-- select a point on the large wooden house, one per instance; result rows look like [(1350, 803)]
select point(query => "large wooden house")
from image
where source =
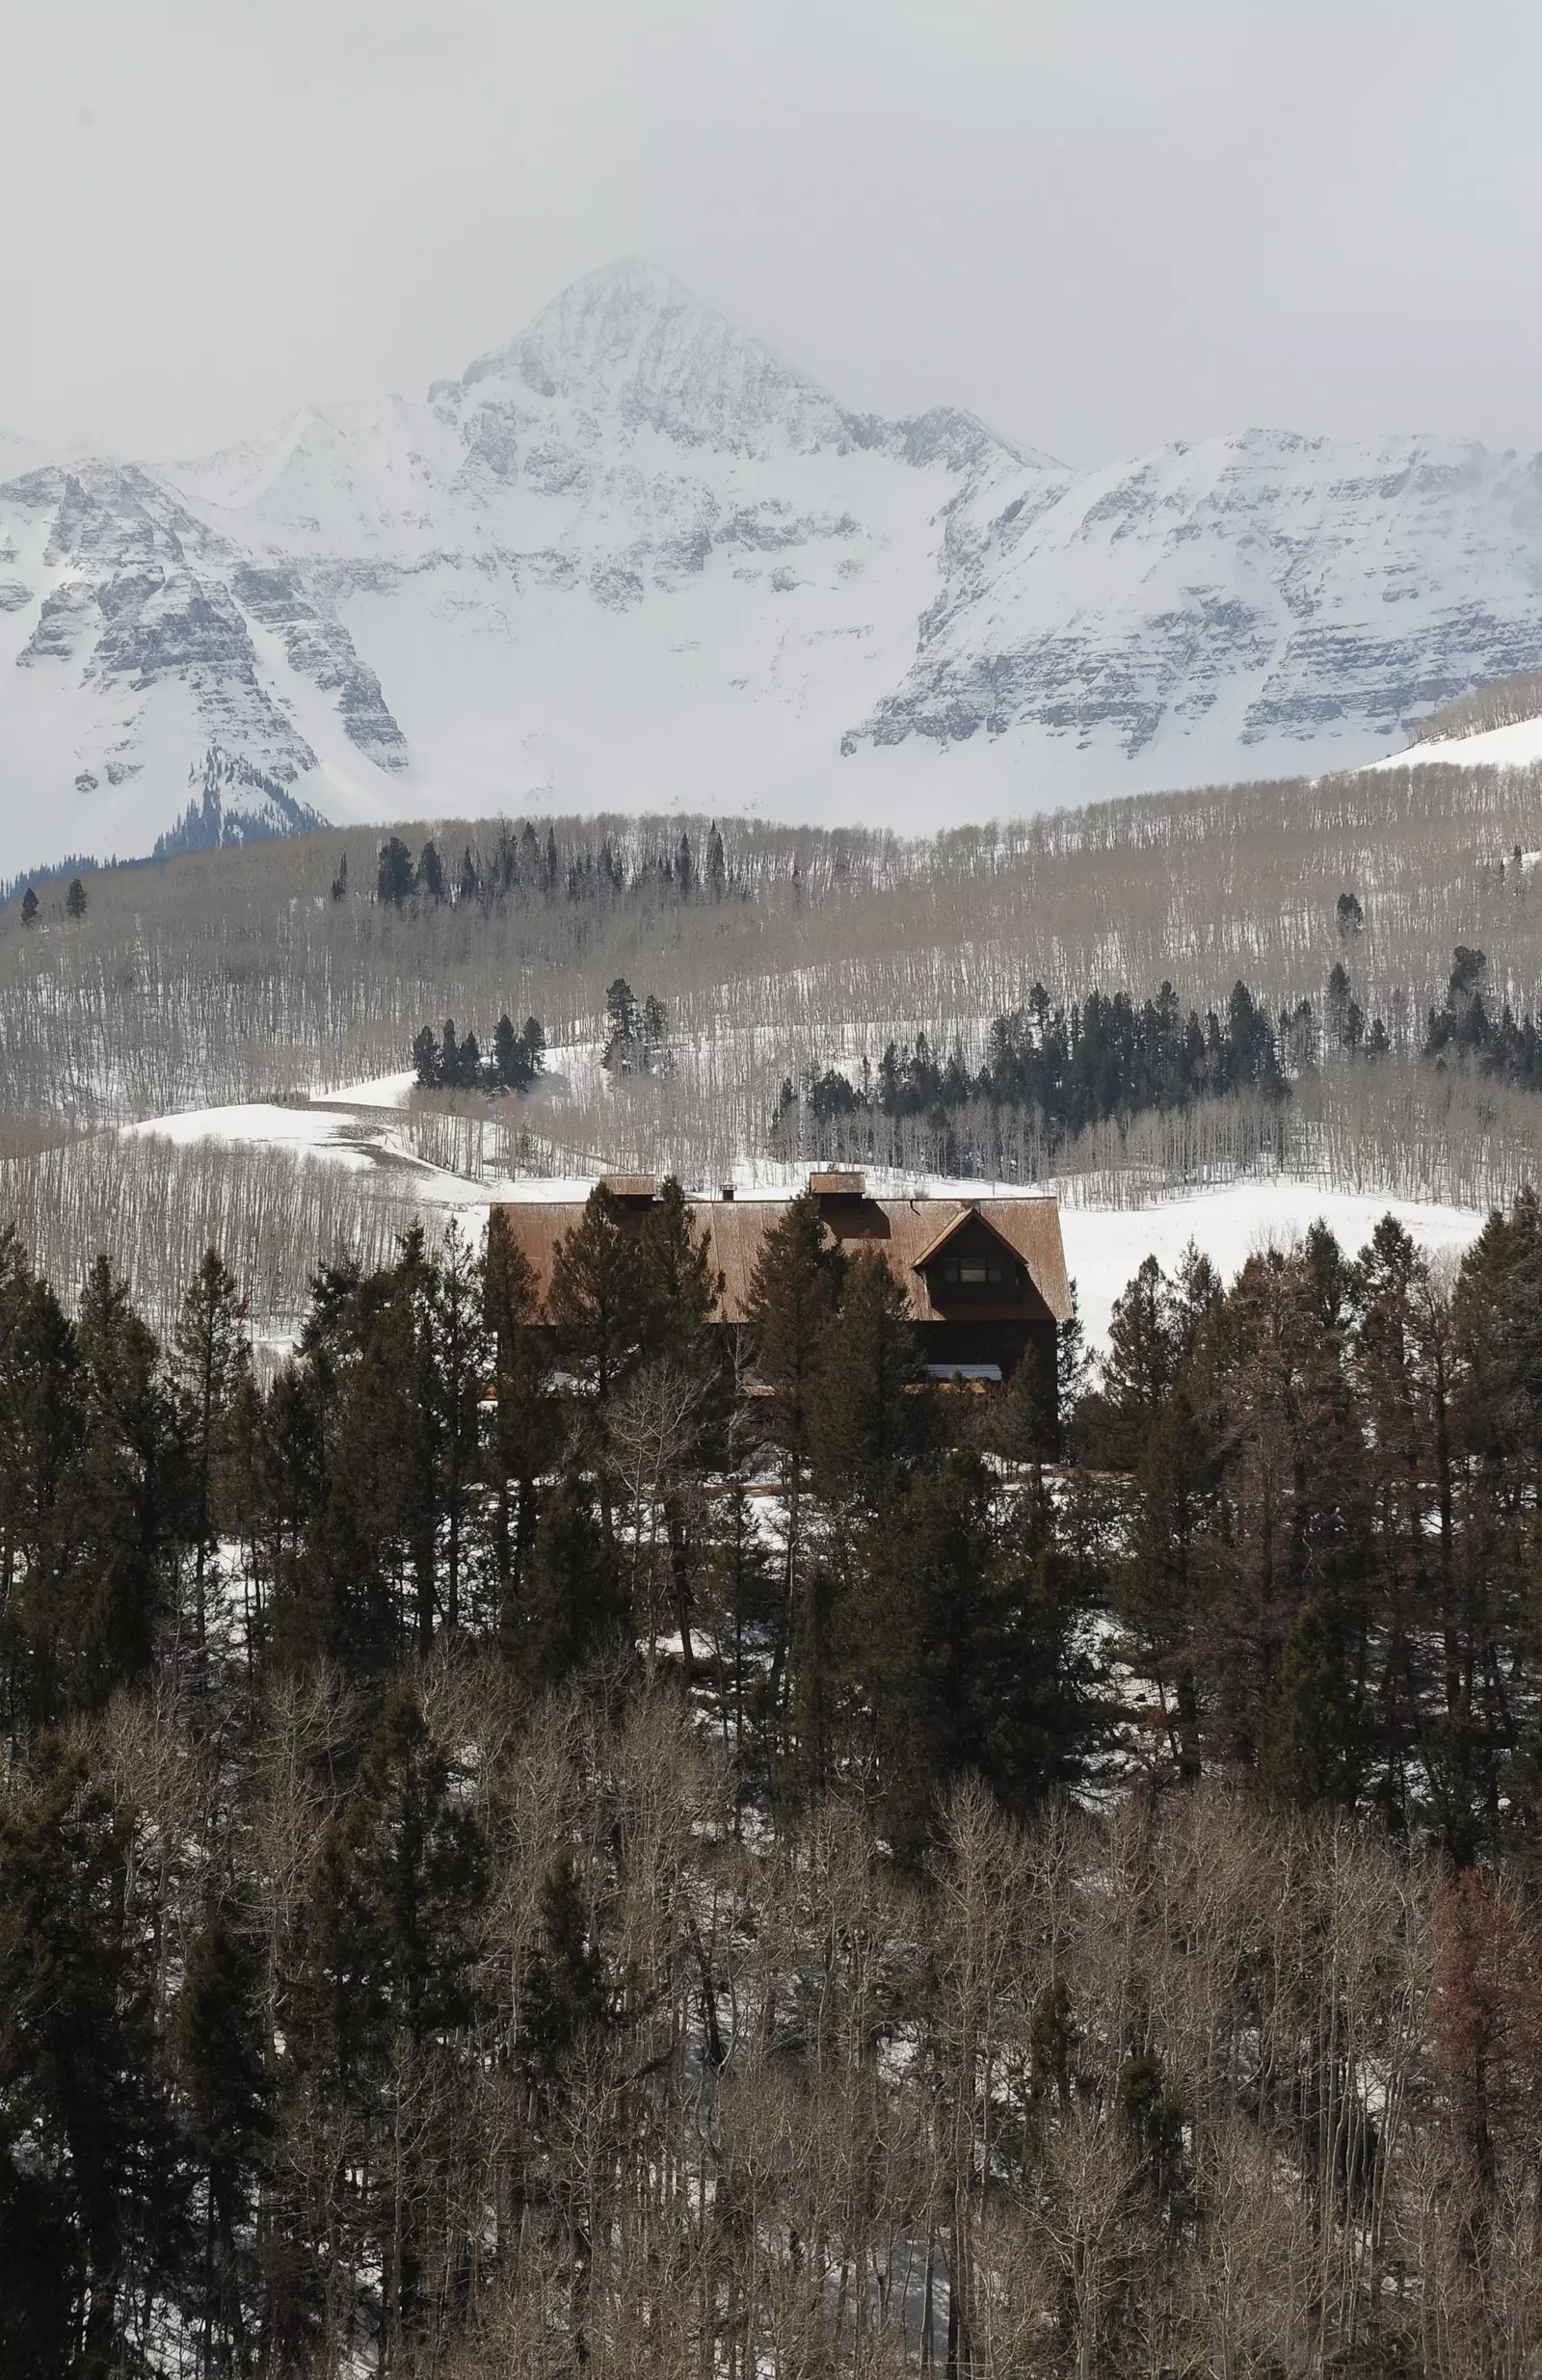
[(984, 1278)]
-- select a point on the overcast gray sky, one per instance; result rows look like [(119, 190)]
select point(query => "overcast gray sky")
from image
[(1102, 224)]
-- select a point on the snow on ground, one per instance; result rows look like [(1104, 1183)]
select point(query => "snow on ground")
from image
[(383, 1091), (1518, 746), (1104, 1246), (260, 1122), (1103, 1250)]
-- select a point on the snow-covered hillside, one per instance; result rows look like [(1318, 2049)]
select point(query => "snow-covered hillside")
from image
[(634, 559), (1518, 745)]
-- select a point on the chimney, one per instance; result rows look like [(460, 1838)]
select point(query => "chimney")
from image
[(726, 1194)]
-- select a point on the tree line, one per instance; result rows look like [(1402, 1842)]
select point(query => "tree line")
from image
[(517, 1060), (483, 1886), (524, 865)]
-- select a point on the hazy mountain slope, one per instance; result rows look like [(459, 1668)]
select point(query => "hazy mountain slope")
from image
[(633, 557)]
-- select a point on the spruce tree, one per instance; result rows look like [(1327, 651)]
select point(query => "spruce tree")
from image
[(221, 2070), (794, 1292), (125, 1491), (29, 907), (862, 1417), (210, 1356), (598, 1295), (75, 899), (394, 882), (574, 1604), (426, 1057)]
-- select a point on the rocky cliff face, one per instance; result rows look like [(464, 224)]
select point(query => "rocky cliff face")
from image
[(634, 558)]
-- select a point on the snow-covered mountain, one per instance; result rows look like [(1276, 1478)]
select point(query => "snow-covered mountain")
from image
[(634, 559)]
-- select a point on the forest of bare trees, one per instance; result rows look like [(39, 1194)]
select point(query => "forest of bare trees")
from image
[(231, 975), (278, 971), (1503, 703)]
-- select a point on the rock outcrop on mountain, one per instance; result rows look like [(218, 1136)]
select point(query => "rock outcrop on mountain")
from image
[(633, 559)]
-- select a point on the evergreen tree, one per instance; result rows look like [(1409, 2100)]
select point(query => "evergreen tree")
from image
[(716, 864), (1307, 1754), (210, 1356), (426, 1057), (508, 1054), (221, 2070), (563, 1995), (574, 1606), (82, 2113), (431, 873), (862, 1416), (29, 907), (460, 1354), (622, 1028), (394, 883), (528, 1425), (599, 1296), (75, 899), (125, 1520), (794, 1292)]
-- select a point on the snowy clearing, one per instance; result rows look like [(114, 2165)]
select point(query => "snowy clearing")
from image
[(1103, 1250)]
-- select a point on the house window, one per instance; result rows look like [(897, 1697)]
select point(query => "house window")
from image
[(979, 1272)]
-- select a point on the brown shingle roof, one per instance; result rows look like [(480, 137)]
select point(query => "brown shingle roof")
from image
[(906, 1230)]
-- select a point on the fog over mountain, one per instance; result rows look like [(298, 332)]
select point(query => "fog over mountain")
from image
[(635, 558)]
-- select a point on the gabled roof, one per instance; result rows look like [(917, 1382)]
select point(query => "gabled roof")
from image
[(971, 1212), (907, 1230)]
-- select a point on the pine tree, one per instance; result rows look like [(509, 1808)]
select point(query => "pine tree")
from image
[(394, 883), (528, 1426), (622, 1028), (29, 907), (221, 2070), (124, 1494), (563, 1990), (598, 1298), (210, 1356), (431, 873), (508, 1054), (574, 1604), (426, 1057), (862, 1416), (794, 1292), (716, 864), (78, 2079), (75, 899), (460, 1354), (1307, 1754)]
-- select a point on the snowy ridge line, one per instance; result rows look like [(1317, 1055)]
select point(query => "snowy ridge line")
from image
[(401, 607)]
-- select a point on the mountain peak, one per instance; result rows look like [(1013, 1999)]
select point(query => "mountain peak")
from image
[(631, 342)]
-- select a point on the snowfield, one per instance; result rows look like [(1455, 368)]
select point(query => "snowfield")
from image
[(1518, 746), (1104, 1248)]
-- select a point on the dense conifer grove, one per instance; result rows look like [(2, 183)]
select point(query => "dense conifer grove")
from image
[(641, 1853)]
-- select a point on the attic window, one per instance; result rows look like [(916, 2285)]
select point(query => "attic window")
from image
[(976, 1272)]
